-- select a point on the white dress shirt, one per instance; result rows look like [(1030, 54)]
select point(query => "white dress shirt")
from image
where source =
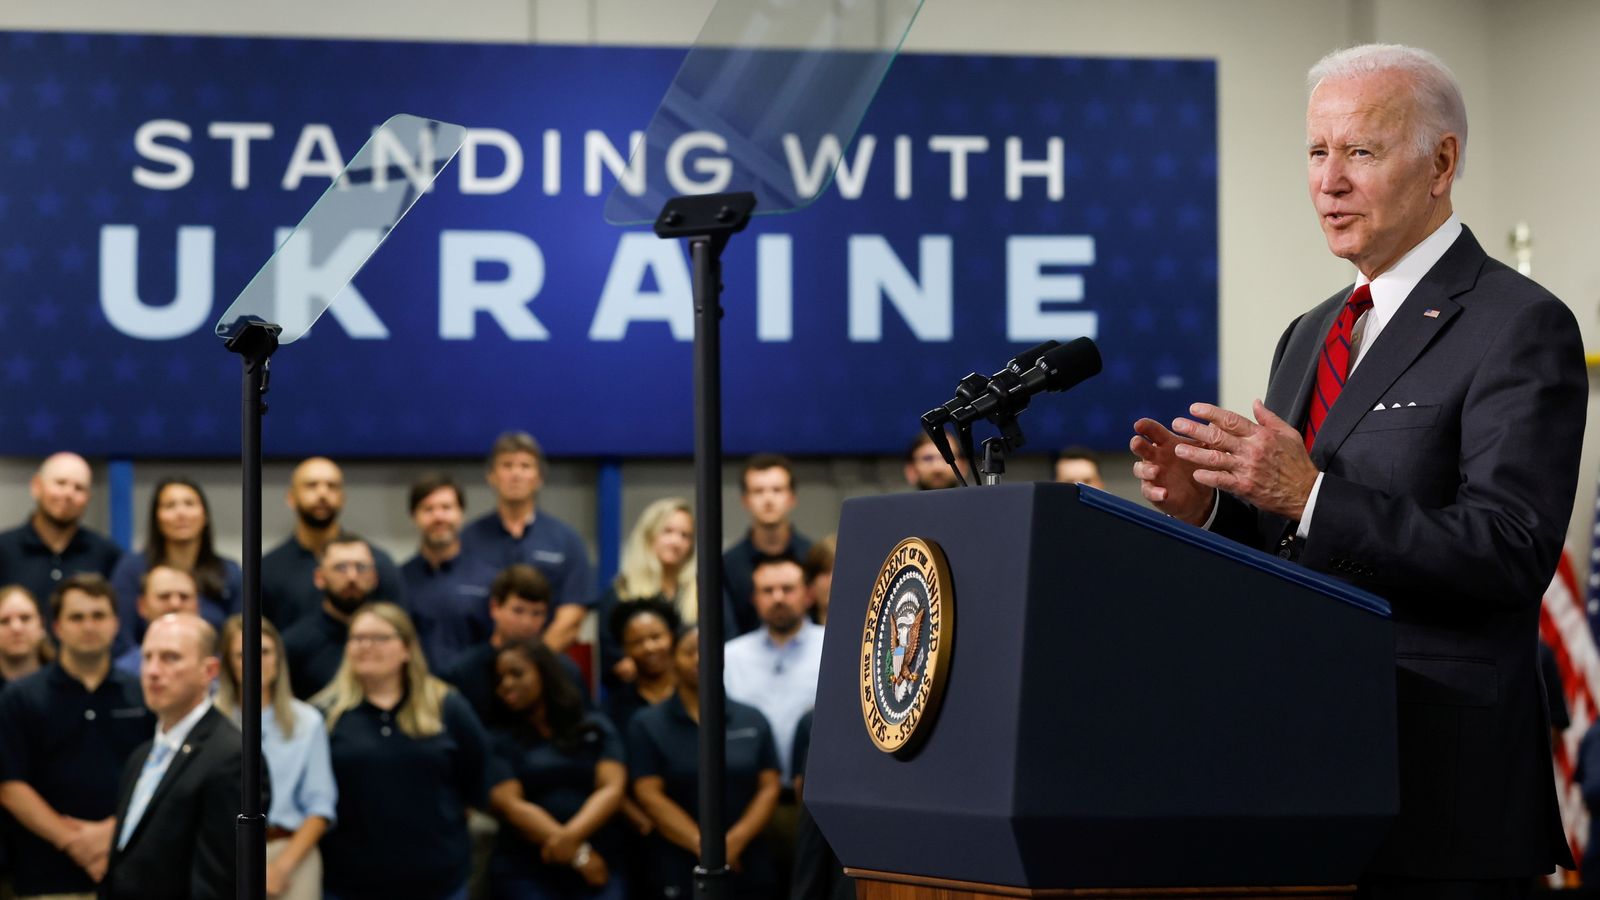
[(1389, 290), (165, 748)]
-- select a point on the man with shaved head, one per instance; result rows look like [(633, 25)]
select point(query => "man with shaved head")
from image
[(288, 590), (53, 543), (174, 832)]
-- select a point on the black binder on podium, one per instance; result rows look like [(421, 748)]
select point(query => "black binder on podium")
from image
[(1130, 703)]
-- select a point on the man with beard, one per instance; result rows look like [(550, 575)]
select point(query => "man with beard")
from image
[(316, 494), (346, 576), (926, 470), (53, 544), (447, 589), (775, 668)]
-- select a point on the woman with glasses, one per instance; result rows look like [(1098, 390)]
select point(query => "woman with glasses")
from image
[(409, 757), (295, 746)]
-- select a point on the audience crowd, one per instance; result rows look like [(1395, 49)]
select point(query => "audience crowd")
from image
[(425, 732)]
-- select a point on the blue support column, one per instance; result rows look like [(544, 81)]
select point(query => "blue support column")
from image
[(608, 503), (120, 493)]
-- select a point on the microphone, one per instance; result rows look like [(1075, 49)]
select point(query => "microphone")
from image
[(1044, 369)]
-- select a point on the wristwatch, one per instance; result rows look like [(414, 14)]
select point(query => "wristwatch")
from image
[(581, 858)]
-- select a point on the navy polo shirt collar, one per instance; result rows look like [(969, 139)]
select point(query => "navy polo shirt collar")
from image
[(33, 541)]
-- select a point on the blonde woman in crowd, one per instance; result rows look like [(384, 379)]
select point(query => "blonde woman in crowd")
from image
[(409, 757), (24, 649), (658, 562), (295, 746)]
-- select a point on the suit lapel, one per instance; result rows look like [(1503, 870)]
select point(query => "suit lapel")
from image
[(191, 748), (1414, 326), (1289, 393)]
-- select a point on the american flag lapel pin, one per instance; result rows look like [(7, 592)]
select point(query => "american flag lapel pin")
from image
[(1431, 313)]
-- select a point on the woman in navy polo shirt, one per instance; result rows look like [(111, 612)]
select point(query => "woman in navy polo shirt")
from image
[(409, 757), (663, 754), (561, 779), (178, 534)]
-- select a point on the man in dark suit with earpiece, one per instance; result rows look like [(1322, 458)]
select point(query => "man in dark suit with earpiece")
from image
[(180, 792)]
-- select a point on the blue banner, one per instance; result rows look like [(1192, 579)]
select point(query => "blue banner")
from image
[(987, 204)]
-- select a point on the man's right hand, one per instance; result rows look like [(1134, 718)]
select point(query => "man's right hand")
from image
[(1164, 479), (90, 845)]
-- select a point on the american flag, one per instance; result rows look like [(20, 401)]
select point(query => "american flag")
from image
[(1567, 621)]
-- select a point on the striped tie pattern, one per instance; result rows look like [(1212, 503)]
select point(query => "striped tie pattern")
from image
[(1333, 364)]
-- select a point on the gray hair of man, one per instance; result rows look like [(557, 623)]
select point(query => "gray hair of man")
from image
[(1441, 108)]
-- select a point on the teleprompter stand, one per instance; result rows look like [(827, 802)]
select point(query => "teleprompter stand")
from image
[(255, 344), (706, 223)]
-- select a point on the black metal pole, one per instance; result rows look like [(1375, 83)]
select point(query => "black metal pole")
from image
[(712, 874), (255, 344), (706, 222)]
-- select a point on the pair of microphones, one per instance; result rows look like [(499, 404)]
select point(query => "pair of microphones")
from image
[(998, 398)]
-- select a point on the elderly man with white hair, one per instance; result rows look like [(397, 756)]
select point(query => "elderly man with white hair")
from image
[(1419, 438)]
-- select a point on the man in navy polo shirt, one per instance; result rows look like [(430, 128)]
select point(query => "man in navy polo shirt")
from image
[(516, 532), (315, 645), (65, 733), (448, 590), (53, 544), (767, 491), (519, 605), (288, 594)]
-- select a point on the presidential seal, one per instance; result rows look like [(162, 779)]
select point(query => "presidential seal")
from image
[(905, 646)]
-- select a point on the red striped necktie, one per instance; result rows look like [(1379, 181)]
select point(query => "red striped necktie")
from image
[(1333, 364)]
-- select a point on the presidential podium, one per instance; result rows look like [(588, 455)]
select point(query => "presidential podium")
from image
[(1132, 707)]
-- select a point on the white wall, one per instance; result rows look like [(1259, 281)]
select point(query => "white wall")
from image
[(1525, 66)]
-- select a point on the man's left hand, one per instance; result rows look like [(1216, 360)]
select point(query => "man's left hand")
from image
[(1263, 462)]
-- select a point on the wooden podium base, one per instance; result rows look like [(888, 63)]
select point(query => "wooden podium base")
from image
[(874, 885)]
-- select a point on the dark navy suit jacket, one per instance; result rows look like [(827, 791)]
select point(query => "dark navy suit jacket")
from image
[(1452, 502)]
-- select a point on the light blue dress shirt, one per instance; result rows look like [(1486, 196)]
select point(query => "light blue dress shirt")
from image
[(300, 767), (781, 681)]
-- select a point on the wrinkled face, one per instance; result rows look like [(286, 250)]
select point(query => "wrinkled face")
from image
[(168, 590), (87, 624), (648, 643), (347, 575), (686, 659), (518, 684), (316, 492), (927, 470), (269, 659), (515, 477), (517, 618), (768, 496), (375, 648), (1078, 471), (780, 596), (438, 518), (173, 670), (61, 489), (179, 513), (21, 628), (1375, 197), (675, 541)]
